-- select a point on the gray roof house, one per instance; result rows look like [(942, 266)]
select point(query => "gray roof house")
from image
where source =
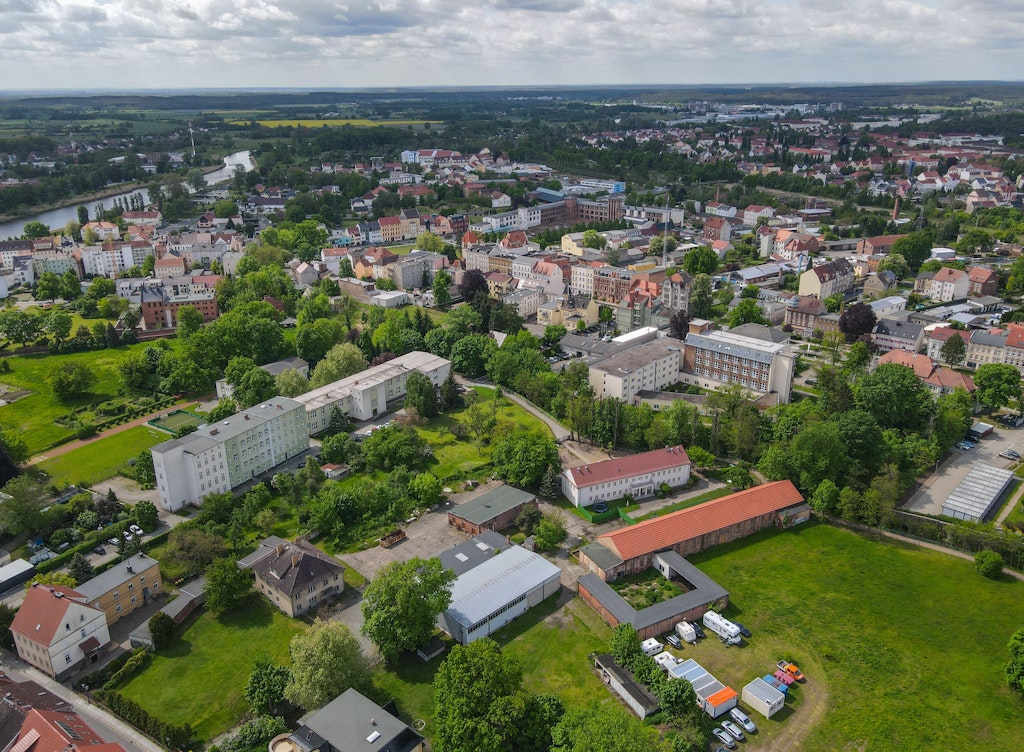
[(352, 723)]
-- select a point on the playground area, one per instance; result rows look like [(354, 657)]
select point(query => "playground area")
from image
[(175, 420)]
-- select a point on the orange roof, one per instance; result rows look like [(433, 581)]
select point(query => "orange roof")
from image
[(1015, 335), (664, 532), (43, 610), (721, 697), (921, 365), (59, 730)]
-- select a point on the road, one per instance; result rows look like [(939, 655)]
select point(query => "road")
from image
[(108, 726)]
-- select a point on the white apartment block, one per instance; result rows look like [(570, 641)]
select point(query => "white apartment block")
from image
[(649, 366), (581, 281), (368, 393), (222, 456), (715, 358)]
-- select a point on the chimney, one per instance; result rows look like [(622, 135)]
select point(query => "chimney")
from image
[(296, 557), (279, 549)]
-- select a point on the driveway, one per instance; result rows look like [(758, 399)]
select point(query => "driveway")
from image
[(937, 487)]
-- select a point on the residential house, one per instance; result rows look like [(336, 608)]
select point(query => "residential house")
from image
[(124, 587), (57, 631), (1013, 353), (938, 379), (803, 313), (879, 284), (417, 269), (892, 334), (101, 230), (352, 723), (716, 228), (880, 244), (938, 336), (718, 209), (59, 730), (982, 281), (410, 224), (390, 229), (754, 212), (945, 285), (675, 291), (295, 576), (825, 280), (987, 346)]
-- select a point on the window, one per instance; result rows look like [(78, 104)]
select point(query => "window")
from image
[(81, 617), (133, 599), (83, 631), (118, 608), (142, 578), (117, 594), (67, 658), (131, 585)]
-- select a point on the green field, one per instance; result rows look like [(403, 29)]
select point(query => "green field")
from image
[(200, 677), (176, 420), (100, 458), (903, 647)]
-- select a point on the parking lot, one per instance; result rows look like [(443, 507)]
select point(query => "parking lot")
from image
[(958, 462)]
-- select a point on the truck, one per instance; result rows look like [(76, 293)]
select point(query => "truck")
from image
[(727, 632), (791, 669), (685, 630)]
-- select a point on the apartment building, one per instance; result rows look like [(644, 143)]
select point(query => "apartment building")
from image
[(758, 363), (125, 587), (825, 280), (649, 366), (57, 631), (160, 305), (639, 475), (219, 457)]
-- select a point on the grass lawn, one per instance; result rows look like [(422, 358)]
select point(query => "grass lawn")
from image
[(101, 458), (685, 504), (33, 415), (903, 647), (551, 643), (199, 679)]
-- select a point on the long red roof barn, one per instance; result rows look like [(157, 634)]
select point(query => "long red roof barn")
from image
[(662, 533)]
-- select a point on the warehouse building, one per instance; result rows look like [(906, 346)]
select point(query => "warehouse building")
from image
[(495, 509), (497, 590), (978, 494)]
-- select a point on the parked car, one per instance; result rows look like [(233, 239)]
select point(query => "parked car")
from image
[(674, 641), (698, 629), (743, 630), (99, 550), (136, 530), (127, 536), (744, 720), (724, 737), (735, 731), (113, 541)]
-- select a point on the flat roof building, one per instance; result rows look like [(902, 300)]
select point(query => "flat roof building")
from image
[(977, 495), (760, 364), (650, 365), (494, 509)]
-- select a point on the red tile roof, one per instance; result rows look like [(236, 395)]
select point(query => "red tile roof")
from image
[(626, 467), (43, 610), (665, 532), (54, 729)]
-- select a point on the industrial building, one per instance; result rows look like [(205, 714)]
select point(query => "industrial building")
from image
[(494, 509), (218, 457), (977, 495), (497, 590)]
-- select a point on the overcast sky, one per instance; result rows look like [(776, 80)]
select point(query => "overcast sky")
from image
[(351, 43)]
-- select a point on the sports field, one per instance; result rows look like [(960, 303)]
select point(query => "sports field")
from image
[(175, 420)]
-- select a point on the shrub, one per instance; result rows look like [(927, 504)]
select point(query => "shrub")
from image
[(175, 737), (161, 627), (988, 563), (140, 658), (85, 431)]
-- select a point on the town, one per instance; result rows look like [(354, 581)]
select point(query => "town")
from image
[(691, 429)]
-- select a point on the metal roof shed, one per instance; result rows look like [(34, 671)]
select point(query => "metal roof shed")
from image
[(763, 698), (977, 494)]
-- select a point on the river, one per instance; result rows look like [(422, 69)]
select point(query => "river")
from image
[(57, 218)]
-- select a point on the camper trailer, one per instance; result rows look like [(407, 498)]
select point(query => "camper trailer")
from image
[(728, 632), (685, 631)]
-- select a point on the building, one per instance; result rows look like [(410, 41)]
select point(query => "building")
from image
[(368, 393), (825, 280), (649, 366), (57, 631), (803, 312), (226, 390), (716, 228), (713, 697), (495, 510), (620, 680), (689, 531), (59, 730), (888, 307), (639, 475), (978, 494), (216, 458), (125, 587), (294, 576), (988, 346), (763, 697), (160, 306), (945, 285), (760, 364), (496, 591), (878, 245), (879, 284), (939, 380), (982, 281), (351, 723), (893, 334)]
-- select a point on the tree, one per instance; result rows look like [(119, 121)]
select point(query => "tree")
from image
[(34, 230), (194, 548), (339, 362), (402, 602), (326, 660), (1015, 668), (895, 396), (594, 239), (70, 287), (80, 568), (747, 311), (856, 320), (479, 702), (47, 287), (449, 395), (523, 456), (442, 283), (70, 379), (473, 282), (224, 408), (604, 728), (255, 386), (825, 499), (146, 515), (896, 264), (265, 687), (816, 453), (56, 577), (612, 255), (953, 350), (701, 260), (553, 334), (291, 383), (190, 321), (857, 359), (428, 241), (421, 394), (679, 324), (161, 628), (989, 564), (998, 384), (915, 248), (550, 531), (22, 512), (19, 326), (702, 297), (58, 323), (227, 585)]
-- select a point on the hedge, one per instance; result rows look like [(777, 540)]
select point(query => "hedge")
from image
[(175, 737)]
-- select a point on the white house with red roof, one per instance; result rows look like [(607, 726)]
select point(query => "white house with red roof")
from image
[(754, 212), (57, 631), (639, 475)]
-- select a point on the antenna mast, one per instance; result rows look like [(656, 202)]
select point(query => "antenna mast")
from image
[(192, 138)]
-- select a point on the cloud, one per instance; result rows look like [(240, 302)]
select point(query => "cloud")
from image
[(322, 43)]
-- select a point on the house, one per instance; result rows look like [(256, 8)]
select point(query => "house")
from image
[(639, 475), (880, 244), (57, 631), (982, 281), (675, 291), (716, 228), (888, 307), (893, 334), (125, 587), (499, 589), (352, 723), (632, 549), (754, 212), (803, 312), (495, 509), (879, 283), (945, 285), (295, 576), (61, 730), (825, 280), (939, 380), (987, 346)]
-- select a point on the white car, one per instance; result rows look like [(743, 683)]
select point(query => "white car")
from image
[(744, 720), (127, 536), (136, 530), (735, 731), (724, 737)]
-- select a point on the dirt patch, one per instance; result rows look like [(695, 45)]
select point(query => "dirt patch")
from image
[(9, 394), (815, 697)]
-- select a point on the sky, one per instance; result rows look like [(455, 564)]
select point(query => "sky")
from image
[(146, 44)]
